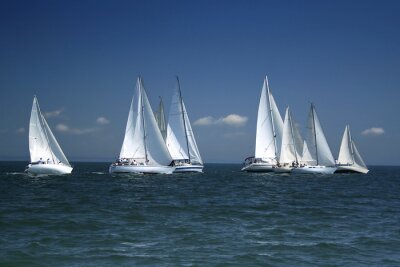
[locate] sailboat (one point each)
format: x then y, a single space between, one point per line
268 134
320 158
46 154
349 159
292 144
180 140
143 149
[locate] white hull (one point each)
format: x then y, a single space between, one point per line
188 168
352 168
285 169
258 167
315 169
55 169
146 169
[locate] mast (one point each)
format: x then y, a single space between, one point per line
183 117
272 119
291 131
43 129
315 133
141 90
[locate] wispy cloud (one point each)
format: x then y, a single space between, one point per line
231 120
20 130
204 121
55 113
102 121
373 131
66 129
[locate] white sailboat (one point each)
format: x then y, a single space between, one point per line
180 140
320 158
268 134
349 159
46 154
143 149
292 144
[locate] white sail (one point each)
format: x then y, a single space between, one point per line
345 152
55 147
277 122
317 144
193 149
160 118
175 149
143 139
180 140
133 145
42 143
269 126
348 153
306 157
291 141
357 157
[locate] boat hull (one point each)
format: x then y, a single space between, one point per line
53 169
283 169
350 168
145 169
188 168
258 167
315 169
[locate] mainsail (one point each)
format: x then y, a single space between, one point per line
143 139
42 143
269 126
180 140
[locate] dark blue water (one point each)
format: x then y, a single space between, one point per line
220 218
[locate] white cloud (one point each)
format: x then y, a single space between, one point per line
102 121
204 121
66 129
373 131
20 130
55 113
231 120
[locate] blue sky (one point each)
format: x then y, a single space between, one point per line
82 58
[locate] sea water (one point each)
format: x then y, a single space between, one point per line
222 217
